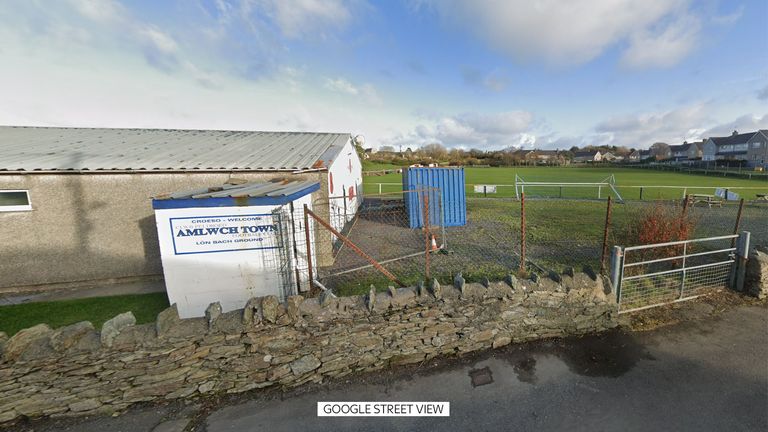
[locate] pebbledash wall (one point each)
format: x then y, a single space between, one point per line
76 370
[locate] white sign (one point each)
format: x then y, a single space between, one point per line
731 196
383 409
485 188
208 234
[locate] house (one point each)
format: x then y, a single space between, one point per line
76 205
730 148
695 150
587 156
679 152
757 151
610 157
686 152
634 156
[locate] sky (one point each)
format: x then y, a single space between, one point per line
464 73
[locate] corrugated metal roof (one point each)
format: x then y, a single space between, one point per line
49 149
242 190
237 193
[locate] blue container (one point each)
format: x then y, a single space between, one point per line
447 183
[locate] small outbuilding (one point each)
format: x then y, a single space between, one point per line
232 242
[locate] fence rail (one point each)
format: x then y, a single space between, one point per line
650 281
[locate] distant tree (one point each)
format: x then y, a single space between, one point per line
387 149
660 150
574 149
435 151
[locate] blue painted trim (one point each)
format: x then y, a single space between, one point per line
232 202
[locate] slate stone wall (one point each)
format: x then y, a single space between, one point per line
77 370
756 282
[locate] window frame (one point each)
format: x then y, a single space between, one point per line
16 208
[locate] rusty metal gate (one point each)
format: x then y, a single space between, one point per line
652 275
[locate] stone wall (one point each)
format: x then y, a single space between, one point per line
77 370
756 281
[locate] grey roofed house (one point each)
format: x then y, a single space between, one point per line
57 149
732 147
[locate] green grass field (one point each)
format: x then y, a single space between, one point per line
628 181
145 308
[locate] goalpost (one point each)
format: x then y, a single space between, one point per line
609 183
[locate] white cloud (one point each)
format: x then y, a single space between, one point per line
570 32
99 10
643 129
367 91
471 130
640 130
302 18
662 47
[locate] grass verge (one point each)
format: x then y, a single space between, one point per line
96 310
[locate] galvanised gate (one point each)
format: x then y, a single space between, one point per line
656 274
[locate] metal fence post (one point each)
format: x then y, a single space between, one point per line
309 246
522 231
426 235
742 255
616 263
605 235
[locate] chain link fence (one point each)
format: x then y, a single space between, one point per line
385 244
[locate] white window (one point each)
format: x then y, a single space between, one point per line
756 145
14 200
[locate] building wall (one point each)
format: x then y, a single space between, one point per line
710 149
757 153
87 227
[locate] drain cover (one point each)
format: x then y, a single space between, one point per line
481 377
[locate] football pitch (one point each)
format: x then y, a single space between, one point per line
629 182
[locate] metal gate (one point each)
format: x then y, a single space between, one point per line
652 275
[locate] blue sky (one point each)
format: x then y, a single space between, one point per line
471 74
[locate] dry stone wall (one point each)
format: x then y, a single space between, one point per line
756 283
78 370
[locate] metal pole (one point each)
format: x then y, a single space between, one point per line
599 192
522 232
344 197
682 282
616 264
738 220
641 193
605 235
426 234
379 188
742 254
309 246
354 247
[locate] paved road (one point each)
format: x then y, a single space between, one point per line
698 376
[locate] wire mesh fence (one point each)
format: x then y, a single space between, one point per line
384 240
382 232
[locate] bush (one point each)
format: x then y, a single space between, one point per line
659 224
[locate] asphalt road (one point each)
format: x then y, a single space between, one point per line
699 376
707 375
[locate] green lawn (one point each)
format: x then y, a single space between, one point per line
626 180
96 310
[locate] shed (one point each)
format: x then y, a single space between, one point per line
232 242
